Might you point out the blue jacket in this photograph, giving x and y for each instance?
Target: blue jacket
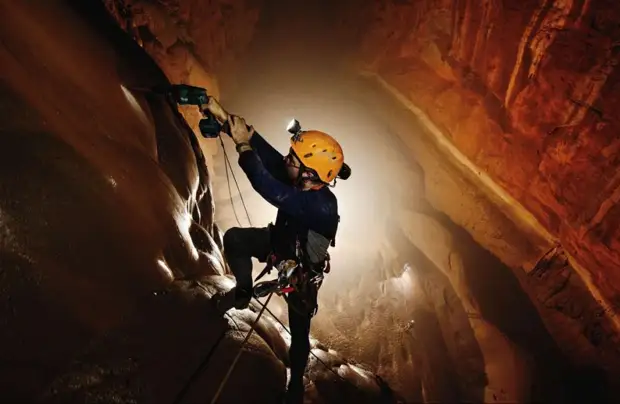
(298, 211)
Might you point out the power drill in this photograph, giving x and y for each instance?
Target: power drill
(184, 94)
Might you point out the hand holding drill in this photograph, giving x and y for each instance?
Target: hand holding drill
(216, 119)
(216, 109)
(240, 132)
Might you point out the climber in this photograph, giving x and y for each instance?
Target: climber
(307, 218)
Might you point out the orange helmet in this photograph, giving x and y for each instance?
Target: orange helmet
(319, 152)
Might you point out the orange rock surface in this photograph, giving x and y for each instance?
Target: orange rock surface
(528, 92)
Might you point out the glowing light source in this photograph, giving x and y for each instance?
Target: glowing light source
(293, 126)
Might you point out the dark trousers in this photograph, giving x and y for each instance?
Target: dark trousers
(240, 246)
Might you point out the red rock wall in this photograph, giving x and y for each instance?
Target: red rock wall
(528, 91)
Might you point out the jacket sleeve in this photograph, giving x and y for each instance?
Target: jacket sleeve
(271, 158)
(282, 196)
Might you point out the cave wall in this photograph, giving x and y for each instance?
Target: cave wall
(526, 90)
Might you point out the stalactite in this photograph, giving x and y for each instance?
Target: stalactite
(491, 13)
(584, 10)
(466, 27)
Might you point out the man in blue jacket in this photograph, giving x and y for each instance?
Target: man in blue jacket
(305, 226)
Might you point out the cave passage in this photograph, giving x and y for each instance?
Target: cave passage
(111, 251)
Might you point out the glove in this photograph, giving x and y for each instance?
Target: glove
(239, 131)
(216, 109)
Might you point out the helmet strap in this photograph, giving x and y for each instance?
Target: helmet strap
(299, 181)
(300, 178)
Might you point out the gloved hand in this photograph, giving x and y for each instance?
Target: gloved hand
(239, 130)
(216, 109)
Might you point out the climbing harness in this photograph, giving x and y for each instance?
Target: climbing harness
(294, 276)
(228, 166)
(284, 282)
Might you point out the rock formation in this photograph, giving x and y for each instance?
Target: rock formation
(521, 96)
(525, 90)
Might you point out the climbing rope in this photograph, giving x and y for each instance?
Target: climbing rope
(232, 366)
(228, 166)
(380, 382)
(200, 369)
(264, 306)
(205, 362)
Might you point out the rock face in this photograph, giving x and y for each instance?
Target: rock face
(526, 91)
(108, 249)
